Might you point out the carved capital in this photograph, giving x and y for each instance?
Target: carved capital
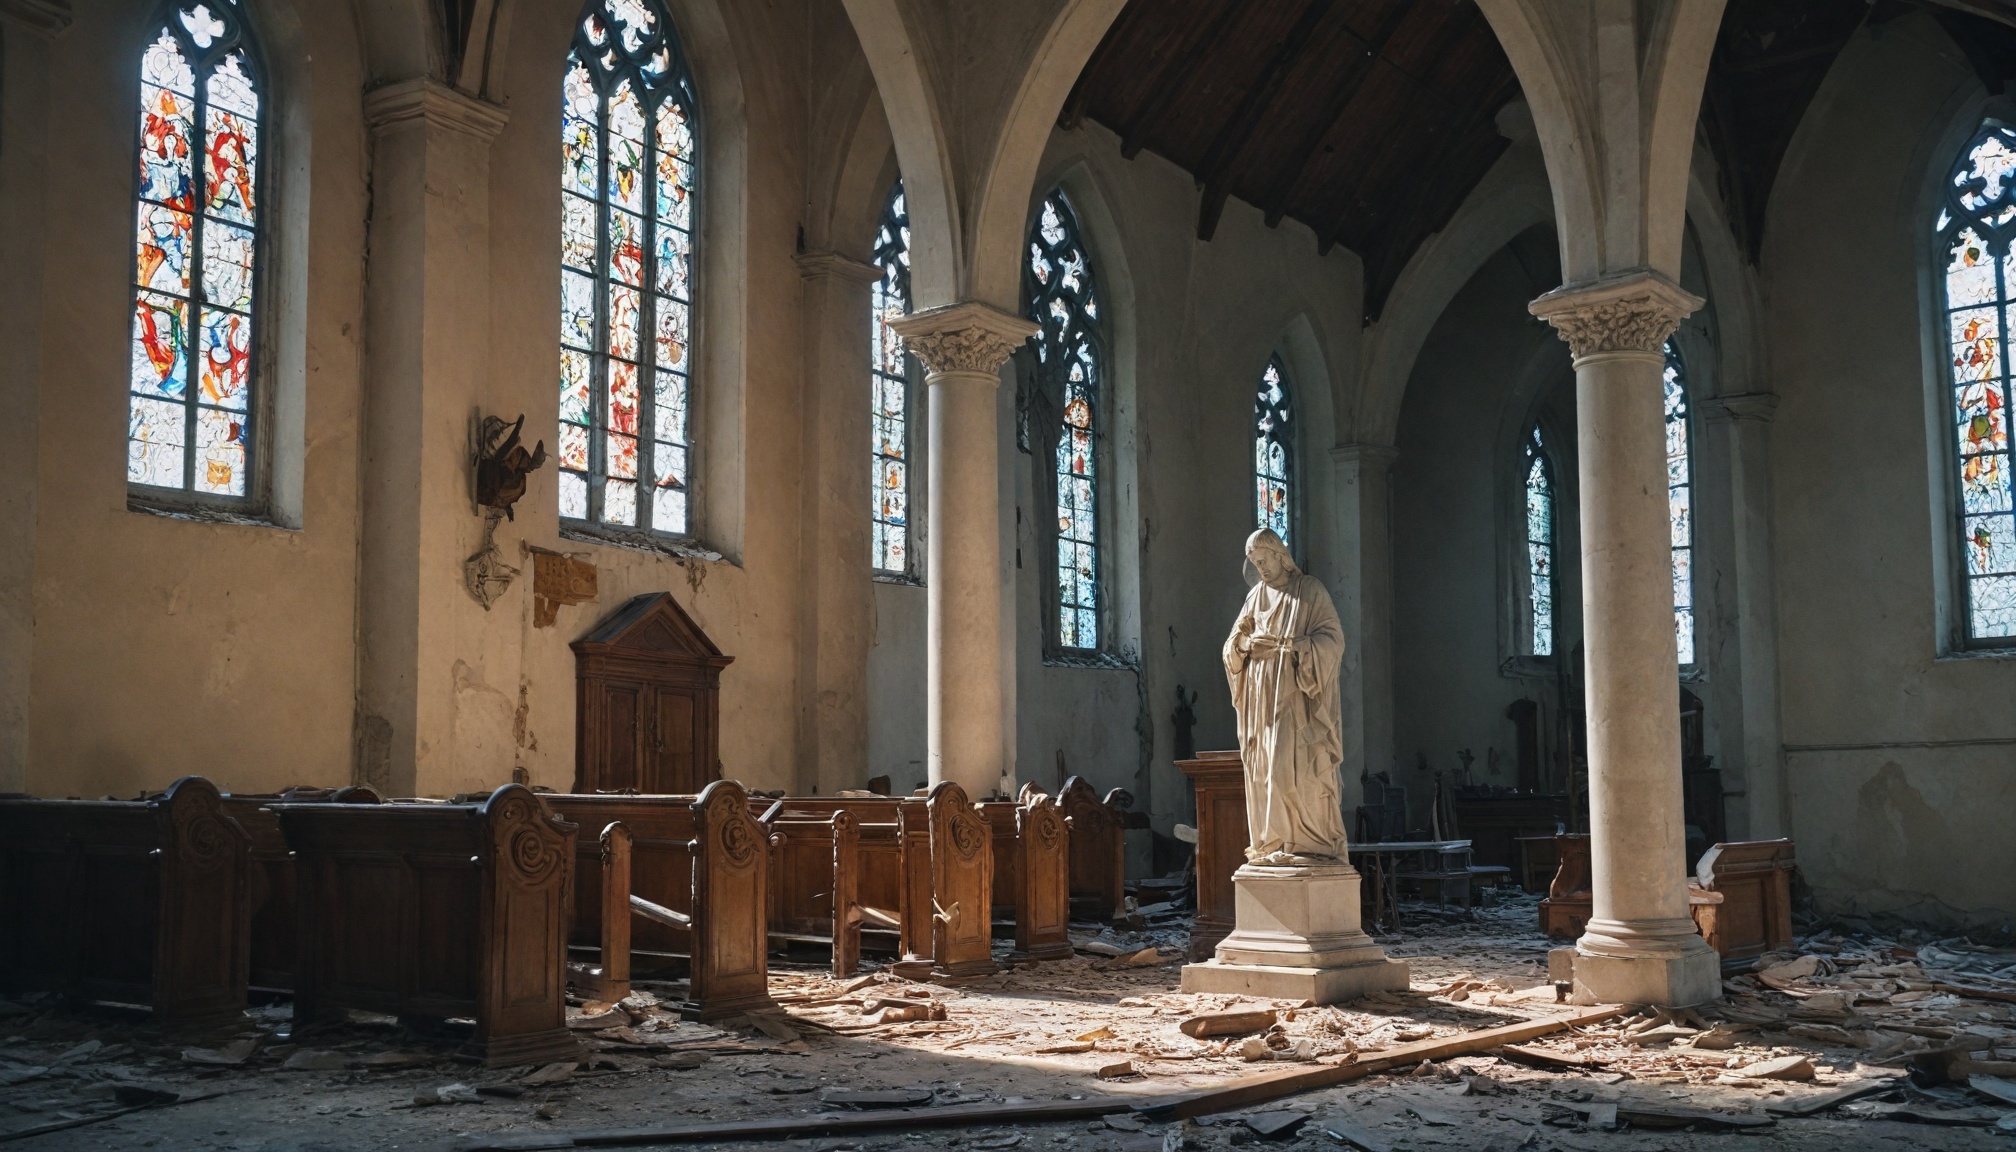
(1759, 407)
(44, 17)
(813, 265)
(1630, 312)
(968, 337)
(431, 104)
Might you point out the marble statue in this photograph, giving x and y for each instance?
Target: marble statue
(1284, 660)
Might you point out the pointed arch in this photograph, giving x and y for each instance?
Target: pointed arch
(196, 407)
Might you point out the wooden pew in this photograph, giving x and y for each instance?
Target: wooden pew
(893, 881)
(962, 884)
(815, 866)
(438, 910)
(1098, 849)
(1752, 883)
(273, 897)
(705, 859)
(1567, 908)
(129, 901)
(1032, 873)
(608, 979)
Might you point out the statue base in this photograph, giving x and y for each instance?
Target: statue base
(1298, 937)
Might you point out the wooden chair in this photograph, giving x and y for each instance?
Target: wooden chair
(1567, 908)
(438, 910)
(1752, 881)
(704, 861)
(128, 901)
(275, 927)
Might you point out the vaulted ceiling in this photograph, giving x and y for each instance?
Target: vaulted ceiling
(1371, 120)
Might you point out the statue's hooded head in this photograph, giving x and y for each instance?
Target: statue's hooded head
(1268, 561)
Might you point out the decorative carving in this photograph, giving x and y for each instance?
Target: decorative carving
(196, 812)
(962, 337)
(967, 834)
(739, 842)
(557, 580)
(1634, 312)
(484, 573)
(533, 850)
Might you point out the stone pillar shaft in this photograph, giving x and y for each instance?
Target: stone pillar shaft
(1640, 945)
(962, 348)
(1364, 479)
(1746, 421)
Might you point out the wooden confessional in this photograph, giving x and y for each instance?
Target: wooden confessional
(648, 702)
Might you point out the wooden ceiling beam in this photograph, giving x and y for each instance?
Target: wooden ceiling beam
(1173, 77)
(1275, 203)
(1215, 170)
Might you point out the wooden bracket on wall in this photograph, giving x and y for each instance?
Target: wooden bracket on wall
(558, 579)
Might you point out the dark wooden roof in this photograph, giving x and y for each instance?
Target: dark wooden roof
(1371, 120)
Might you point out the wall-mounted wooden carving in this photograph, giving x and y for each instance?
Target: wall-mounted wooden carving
(648, 701)
(557, 580)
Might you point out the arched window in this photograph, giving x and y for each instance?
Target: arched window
(1273, 452)
(1976, 223)
(197, 244)
(1539, 543)
(629, 139)
(1063, 300)
(1680, 501)
(891, 415)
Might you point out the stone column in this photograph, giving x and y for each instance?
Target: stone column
(1746, 422)
(962, 348)
(1640, 946)
(433, 713)
(26, 29)
(837, 608)
(1364, 479)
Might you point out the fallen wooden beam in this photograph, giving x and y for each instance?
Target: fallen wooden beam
(1273, 1086)
(1545, 1059)
(1977, 993)
(825, 1124)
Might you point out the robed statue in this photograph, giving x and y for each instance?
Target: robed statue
(1284, 660)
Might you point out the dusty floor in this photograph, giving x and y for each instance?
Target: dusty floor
(1042, 1033)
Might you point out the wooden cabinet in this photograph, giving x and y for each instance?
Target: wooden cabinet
(1220, 780)
(648, 691)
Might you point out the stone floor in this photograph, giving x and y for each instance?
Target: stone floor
(1042, 1033)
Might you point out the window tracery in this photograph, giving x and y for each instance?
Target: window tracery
(1539, 544)
(891, 383)
(1064, 302)
(1975, 224)
(1273, 452)
(629, 180)
(190, 407)
(1680, 501)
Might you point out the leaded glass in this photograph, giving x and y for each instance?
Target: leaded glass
(1973, 233)
(628, 154)
(890, 381)
(1540, 543)
(1273, 452)
(1680, 501)
(1063, 301)
(196, 254)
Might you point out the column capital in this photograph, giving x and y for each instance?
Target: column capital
(1754, 406)
(1632, 311)
(966, 337)
(46, 17)
(1373, 457)
(813, 265)
(432, 104)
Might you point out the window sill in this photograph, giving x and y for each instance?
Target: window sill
(1096, 661)
(1528, 668)
(205, 514)
(673, 547)
(1963, 655)
(898, 579)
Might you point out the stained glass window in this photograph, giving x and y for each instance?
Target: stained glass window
(1064, 302)
(1273, 452)
(1974, 229)
(1680, 502)
(196, 244)
(629, 137)
(891, 381)
(1540, 543)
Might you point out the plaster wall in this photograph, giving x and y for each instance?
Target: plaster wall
(1900, 750)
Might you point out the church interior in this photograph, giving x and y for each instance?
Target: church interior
(1110, 574)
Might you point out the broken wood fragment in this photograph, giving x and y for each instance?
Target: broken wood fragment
(1363, 1139)
(1526, 1054)
(1813, 1105)
(1227, 1023)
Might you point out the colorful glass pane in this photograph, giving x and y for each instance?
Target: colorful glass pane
(1973, 231)
(1273, 446)
(1059, 285)
(195, 275)
(628, 153)
(1680, 502)
(1539, 544)
(889, 422)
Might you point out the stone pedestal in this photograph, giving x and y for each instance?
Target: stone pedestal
(1297, 938)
